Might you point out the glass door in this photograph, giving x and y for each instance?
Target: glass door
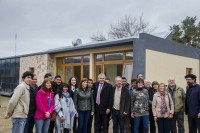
(98, 71)
(128, 72)
(73, 71)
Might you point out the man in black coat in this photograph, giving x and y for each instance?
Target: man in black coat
(103, 97)
(121, 106)
(192, 103)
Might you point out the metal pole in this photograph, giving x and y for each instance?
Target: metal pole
(15, 42)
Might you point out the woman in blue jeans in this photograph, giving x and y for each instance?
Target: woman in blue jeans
(84, 104)
(140, 106)
(45, 106)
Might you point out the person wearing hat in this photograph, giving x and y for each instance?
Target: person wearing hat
(152, 90)
(178, 97)
(192, 103)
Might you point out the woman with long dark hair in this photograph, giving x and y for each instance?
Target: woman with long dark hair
(64, 106)
(72, 87)
(84, 104)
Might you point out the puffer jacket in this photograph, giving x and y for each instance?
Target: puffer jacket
(156, 105)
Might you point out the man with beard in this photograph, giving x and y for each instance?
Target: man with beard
(192, 103)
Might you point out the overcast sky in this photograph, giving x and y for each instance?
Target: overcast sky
(44, 24)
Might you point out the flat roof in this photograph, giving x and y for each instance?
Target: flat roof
(80, 47)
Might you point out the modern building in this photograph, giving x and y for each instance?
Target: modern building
(155, 57)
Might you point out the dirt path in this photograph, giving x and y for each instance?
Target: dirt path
(5, 124)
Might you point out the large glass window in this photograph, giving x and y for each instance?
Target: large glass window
(113, 56)
(73, 59)
(9, 75)
(113, 70)
(86, 58)
(73, 71)
(114, 64)
(98, 71)
(60, 71)
(77, 66)
(129, 56)
(60, 61)
(68, 73)
(77, 73)
(99, 57)
(86, 69)
(128, 71)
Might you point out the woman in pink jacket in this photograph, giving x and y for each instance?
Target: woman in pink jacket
(45, 106)
(163, 109)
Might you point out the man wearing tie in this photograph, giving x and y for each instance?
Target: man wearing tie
(103, 97)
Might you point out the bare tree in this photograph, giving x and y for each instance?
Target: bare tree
(126, 27)
(98, 37)
(130, 26)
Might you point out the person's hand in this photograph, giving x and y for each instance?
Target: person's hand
(47, 114)
(92, 113)
(155, 118)
(8, 115)
(125, 113)
(107, 111)
(198, 115)
(62, 119)
(132, 115)
(170, 116)
(77, 115)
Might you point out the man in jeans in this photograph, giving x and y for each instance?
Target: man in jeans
(30, 122)
(121, 105)
(178, 97)
(18, 105)
(140, 107)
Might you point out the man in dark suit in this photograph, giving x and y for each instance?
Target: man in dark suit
(103, 97)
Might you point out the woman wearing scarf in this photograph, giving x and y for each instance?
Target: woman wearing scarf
(84, 103)
(64, 106)
(163, 109)
(45, 106)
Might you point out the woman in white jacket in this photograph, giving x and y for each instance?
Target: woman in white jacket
(64, 106)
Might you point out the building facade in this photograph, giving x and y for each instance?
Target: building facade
(156, 58)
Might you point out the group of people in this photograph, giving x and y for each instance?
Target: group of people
(71, 107)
